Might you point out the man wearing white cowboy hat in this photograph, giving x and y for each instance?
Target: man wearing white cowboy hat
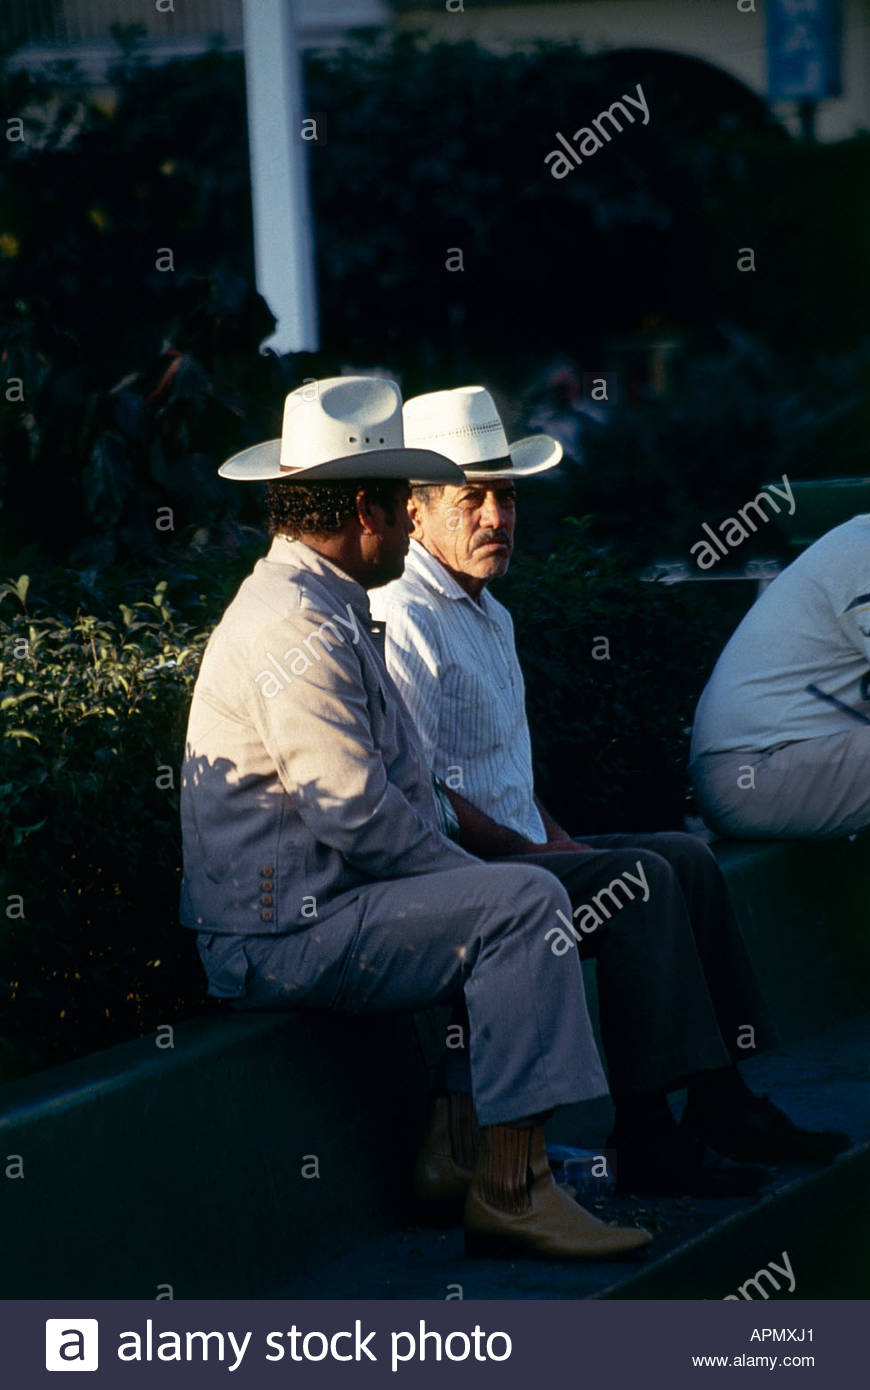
(315, 873)
(679, 1000)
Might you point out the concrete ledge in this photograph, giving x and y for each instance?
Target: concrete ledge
(146, 1167)
(810, 1219)
(804, 907)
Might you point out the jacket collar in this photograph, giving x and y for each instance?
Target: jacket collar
(298, 556)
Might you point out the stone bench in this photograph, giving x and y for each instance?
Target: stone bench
(196, 1167)
(804, 907)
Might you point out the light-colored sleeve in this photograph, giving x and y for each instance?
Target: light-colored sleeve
(855, 621)
(317, 729)
(415, 664)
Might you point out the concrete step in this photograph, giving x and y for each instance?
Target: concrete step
(704, 1249)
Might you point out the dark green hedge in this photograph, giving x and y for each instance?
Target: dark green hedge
(93, 694)
(613, 669)
(94, 688)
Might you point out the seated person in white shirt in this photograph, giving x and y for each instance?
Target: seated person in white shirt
(676, 987)
(781, 741)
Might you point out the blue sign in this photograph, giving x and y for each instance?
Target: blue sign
(803, 49)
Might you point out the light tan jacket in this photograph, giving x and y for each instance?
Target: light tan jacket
(303, 775)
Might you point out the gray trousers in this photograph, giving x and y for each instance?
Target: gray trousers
(815, 787)
(677, 991)
(475, 936)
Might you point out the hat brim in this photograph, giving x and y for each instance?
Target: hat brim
(262, 463)
(534, 454)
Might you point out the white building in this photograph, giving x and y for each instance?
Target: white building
(43, 31)
(733, 39)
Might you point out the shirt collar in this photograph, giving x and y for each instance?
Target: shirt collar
(299, 556)
(432, 573)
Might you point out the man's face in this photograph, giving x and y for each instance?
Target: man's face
(470, 529)
(391, 539)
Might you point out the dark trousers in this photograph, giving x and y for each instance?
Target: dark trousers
(677, 991)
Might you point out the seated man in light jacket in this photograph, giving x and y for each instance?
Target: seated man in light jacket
(679, 1000)
(315, 872)
(781, 740)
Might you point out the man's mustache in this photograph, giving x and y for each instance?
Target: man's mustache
(492, 538)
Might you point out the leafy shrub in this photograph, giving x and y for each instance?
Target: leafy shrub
(95, 682)
(92, 709)
(610, 718)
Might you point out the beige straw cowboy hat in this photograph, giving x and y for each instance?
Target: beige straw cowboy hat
(465, 425)
(341, 427)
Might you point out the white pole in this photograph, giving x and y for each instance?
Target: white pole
(283, 234)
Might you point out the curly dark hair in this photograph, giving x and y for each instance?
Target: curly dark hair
(322, 509)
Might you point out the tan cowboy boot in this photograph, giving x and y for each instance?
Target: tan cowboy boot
(514, 1206)
(438, 1175)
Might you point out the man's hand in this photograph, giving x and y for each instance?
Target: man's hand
(557, 835)
(481, 835)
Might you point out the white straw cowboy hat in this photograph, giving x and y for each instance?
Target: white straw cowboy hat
(465, 425)
(342, 427)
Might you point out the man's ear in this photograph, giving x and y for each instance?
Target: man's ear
(365, 514)
(415, 512)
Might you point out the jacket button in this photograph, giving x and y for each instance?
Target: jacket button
(266, 871)
(266, 900)
(266, 916)
(267, 885)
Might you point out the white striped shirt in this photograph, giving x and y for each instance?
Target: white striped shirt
(454, 661)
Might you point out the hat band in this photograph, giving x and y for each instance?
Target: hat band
(357, 454)
(489, 465)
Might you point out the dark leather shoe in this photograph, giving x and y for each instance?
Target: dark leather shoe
(759, 1131)
(679, 1165)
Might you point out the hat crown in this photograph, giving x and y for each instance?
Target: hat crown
(463, 424)
(340, 417)
(344, 427)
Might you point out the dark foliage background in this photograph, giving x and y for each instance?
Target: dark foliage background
(95, 681)
(135, 382)
(611, 722)
(122, 388)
